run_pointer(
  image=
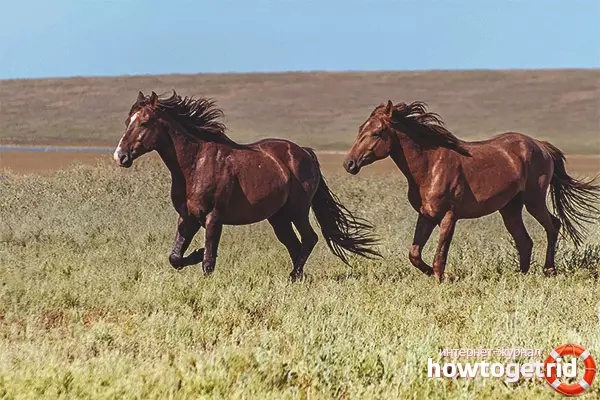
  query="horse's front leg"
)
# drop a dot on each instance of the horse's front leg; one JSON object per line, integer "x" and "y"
{"x": 446, "y": 231}
{"x": 213, "y": 235}
{"x": 423, "y": 231}
{"x": 186, "y": 229}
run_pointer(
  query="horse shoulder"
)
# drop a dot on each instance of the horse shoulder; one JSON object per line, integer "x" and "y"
{"x": 439, "y": 192}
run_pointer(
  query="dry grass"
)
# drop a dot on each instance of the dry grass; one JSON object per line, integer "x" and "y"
{"x": 90, "y": 308}
{"x": 319, "y": 109}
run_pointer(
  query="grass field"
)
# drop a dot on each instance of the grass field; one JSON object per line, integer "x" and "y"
{"x": 319, "y": 109}
{"x": 90, "y": 308}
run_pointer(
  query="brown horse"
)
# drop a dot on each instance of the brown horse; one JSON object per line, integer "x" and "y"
{"x": 217, "y": 182}
{"x": 449, "y": 179}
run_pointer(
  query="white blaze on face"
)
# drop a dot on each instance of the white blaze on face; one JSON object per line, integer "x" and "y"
{"x": 133, "y": 118}
{"x": 117, "y": 152}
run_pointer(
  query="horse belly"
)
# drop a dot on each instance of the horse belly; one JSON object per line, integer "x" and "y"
{"x": 255, "y": 197}
{"x": 490, "y": 195}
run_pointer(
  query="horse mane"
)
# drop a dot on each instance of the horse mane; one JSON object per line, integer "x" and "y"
{"x": 424, "y": 127}
{"x": 200, "y": 117}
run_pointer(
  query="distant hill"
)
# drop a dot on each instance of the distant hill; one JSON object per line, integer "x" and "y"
{"x": 318, "y": 109}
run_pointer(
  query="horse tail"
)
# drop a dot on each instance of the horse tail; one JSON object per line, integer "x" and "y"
{"x": 343, "y": 232}
{"x": 575, "y": 201}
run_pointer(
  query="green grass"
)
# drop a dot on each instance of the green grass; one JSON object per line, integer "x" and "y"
{"x": 90, "y": 308}
{"x": 320, "y": 109}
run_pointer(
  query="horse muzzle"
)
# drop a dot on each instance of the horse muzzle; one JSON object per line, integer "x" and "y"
{"x": 351, "y": 166}
{"x": 123, "y": 158}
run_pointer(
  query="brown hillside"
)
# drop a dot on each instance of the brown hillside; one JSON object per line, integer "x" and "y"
{"x": 319, "y": 109}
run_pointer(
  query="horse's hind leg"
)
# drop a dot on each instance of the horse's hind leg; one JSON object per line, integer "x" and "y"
{"x": 551, "y": 224}
{"x": 513, "y": 220}
{"x": 309, "y": 239}
{"x": 282, "y": 225}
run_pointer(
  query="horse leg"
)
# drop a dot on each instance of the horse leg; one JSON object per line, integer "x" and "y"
{"x": 441, "y": 255}
{"x": 422, "y": 233}
{"x": 211, "y": 242}
{"x": 309, "y": 239}
{"x": 282, "y": 225}
{"x": 186, "y": 229}
{"x": 551, "y": 225}
{"x": 513, "y": 221}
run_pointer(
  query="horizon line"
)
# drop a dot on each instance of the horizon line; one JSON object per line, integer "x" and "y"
{"x": 315, "y": 71}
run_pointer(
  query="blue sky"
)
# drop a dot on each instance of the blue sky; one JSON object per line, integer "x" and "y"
{"x": 42, "y": 38}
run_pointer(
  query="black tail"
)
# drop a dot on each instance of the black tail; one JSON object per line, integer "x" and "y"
{"x": 342, "y": 230}
{"x": 575, "y": 201}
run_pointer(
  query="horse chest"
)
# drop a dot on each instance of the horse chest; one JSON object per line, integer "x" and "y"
{"x": 437, "y": 199}
{"x": 188, "y": 201}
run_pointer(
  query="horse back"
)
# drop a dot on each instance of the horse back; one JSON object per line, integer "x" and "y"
{"x": 509, "y": 150}
{"x": 300, "y": 163}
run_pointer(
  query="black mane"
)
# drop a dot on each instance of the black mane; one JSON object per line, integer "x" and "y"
{"x": 424, "y": 127}
{"x": 200, "y": 117}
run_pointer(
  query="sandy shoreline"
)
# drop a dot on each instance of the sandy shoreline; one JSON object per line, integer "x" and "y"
{"x": 48, "y": 159}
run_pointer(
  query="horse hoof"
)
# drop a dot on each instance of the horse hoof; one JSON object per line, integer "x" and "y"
{"x": 196, "y": 256}
{"x": 550, "y": 272}
{"x": 296, "y": 277}
{"x": 176, "y": 262}
{"x": 208, "y": 270}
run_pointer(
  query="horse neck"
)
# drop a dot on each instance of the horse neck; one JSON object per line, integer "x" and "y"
{"x": 179, "y": 154}
{"x": 412, "y": 159}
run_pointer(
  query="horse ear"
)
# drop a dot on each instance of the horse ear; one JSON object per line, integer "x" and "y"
{"x": 141, "y": 97}
{"x": 153, "y": 99}
{"x": 389, "y": 109}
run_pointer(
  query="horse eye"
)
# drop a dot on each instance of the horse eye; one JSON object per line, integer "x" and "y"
{"x": 376, "y": 134}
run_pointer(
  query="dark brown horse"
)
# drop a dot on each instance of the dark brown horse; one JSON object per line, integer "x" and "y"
{"x": 217, "y": 182}
{"x": 449, "y": 179}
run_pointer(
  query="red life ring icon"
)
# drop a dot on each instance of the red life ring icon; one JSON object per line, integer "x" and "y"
{"x": 588, "y": 376}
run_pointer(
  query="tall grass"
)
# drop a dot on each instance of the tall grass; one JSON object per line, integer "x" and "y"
{"x": 89, "y": 306}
